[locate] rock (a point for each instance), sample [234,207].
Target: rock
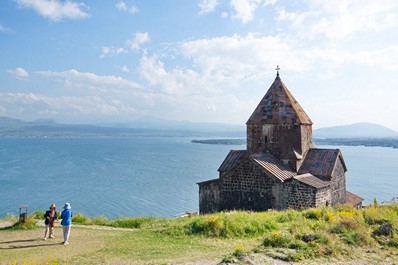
[385,230]
[309,238]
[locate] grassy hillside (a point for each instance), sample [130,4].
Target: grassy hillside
[325,235]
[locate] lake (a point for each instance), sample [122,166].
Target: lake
[146,176]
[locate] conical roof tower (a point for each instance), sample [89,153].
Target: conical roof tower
[280,126]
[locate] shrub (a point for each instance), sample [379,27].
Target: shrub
[375,203]
[276,239]
[212,225]
[30,223]
[379,215]
[393,242]
[314,213]
[232,224]
[239,251]
[40,214]
[344,226]
[242,224]
[79,218]
[358,238]
[100,220]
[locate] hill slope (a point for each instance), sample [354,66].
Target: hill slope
[357,130]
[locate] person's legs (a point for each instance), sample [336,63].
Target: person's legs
[66,230]
[51,235]
[45,232]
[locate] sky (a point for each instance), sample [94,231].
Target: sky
[105,62]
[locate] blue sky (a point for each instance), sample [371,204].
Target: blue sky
[110,61]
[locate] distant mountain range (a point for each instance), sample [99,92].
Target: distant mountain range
[357,130]
[150,126]
[14,128]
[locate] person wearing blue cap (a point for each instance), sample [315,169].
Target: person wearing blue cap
[66,222]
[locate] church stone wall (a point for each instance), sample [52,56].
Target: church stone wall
[209,196]
[338,184]
[306,138]
[299,196]
[323,197]
[278,138]
[249,188]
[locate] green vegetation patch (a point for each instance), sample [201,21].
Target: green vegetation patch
[339,233]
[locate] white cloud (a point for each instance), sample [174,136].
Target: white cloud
[207,6]
[139,39]
[187,94]
[245,9]
[121,6]
[384,59]
[18,72]
[90,107]
[4,29]
[153,70]
[237,58]
[109,51]
[79,96]
[125,69]
[55,10]
[296,18]
[90,80]
[343,18]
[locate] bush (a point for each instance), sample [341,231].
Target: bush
[313,214]
[239,251]
[39,215]
[30,223]
[232,224]
[358,238]
[378,215]
[393,242]
[100,220]
[276,239]
[79,218]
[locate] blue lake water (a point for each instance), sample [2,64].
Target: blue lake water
[146,176]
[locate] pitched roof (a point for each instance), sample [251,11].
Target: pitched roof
[321,162]
[312,181]
[352,199]
[273,166]
[232,160]
[278,106]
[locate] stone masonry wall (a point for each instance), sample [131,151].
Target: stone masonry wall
[323,197]
[338,184]
[298,196]
[209,196]
[278,138]
[247,187]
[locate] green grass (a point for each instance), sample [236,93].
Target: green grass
[339,233]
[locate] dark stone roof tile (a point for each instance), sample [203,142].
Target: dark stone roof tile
[278,106]
[273,166]
[232,160]
[312,181]
[352,199]
[321,162]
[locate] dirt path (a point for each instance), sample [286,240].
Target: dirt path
[5,224]
[97,227]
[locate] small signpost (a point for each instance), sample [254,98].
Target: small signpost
[23,213]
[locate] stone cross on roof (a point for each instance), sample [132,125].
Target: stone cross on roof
[277,70]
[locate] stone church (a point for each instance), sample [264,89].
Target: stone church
[281,168]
